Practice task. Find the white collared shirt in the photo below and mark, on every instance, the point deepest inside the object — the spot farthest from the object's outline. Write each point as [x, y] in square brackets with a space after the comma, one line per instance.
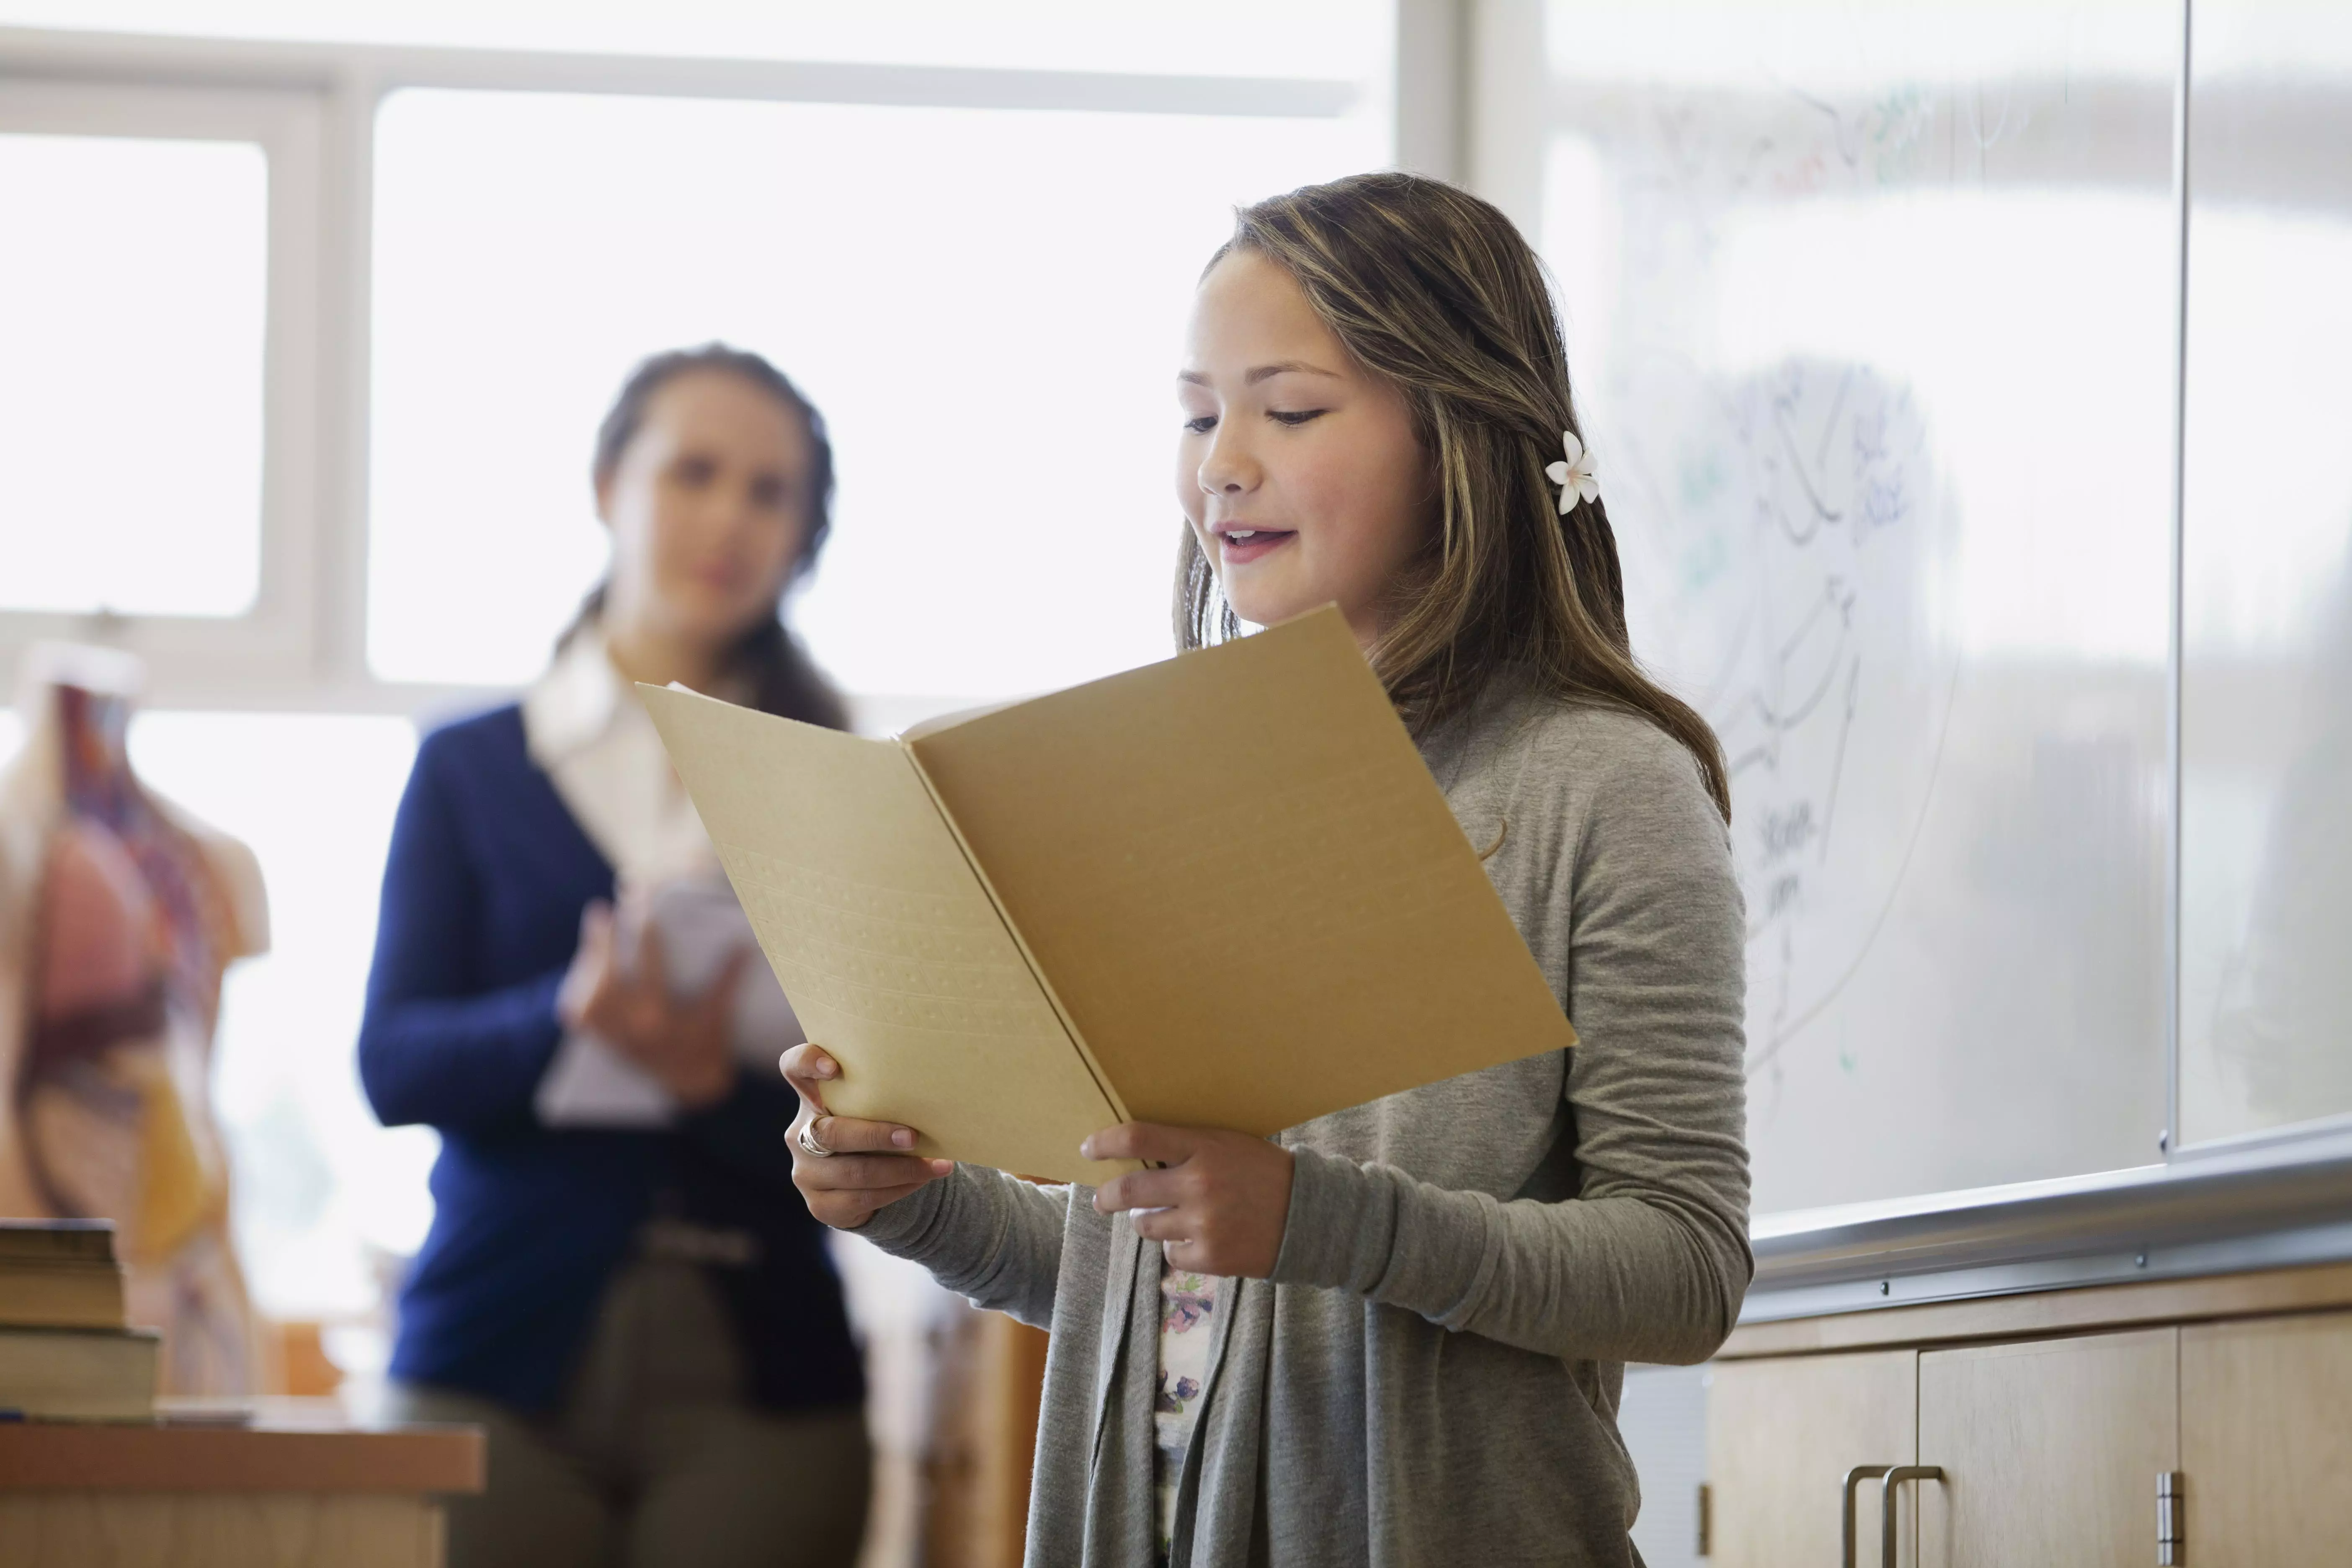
[587, 730]
[584, 727]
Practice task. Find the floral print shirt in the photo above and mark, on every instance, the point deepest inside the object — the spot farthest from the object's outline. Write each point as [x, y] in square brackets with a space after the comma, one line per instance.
[1187, 1304]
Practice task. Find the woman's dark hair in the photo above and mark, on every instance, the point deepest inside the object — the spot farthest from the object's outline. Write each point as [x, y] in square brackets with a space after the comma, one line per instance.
[784, 679]
[1434, 290]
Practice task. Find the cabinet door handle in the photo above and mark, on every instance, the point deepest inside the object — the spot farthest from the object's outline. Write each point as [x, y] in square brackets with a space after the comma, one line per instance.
[1854, 1477]
[1894, 1478]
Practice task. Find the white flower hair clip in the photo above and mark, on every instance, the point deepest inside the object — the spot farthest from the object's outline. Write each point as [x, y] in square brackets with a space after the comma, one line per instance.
[1574, 476]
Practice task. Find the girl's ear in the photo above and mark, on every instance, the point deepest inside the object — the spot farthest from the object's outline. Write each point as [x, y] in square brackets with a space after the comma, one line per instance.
[604, 498]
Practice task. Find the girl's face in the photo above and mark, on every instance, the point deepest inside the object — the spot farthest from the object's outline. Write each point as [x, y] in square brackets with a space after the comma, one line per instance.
[709, 507]
[1299, 469]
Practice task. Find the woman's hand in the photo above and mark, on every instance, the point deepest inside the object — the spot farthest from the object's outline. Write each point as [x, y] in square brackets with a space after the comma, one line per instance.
[1219, 1204]
[868, 1167]
[685, 1046]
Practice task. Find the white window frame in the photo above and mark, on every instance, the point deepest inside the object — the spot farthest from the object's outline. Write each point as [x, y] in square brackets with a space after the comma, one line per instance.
[313, 108]
[276, 634]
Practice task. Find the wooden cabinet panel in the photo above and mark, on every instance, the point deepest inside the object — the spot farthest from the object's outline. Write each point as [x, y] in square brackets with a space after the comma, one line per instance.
[218, 1529]
[2267, 1440]
[1782, 1436]
[2050, 1450]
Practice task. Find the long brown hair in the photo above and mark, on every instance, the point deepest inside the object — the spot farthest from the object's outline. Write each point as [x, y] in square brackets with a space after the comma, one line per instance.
[1435, 290]
[783, 677]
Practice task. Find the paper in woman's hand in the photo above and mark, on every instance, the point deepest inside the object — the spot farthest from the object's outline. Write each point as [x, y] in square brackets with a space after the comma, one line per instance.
[701, 928]
[590, 1084]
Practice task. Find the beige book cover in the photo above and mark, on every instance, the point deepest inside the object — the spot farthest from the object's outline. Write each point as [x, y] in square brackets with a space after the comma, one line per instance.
[62, 1293]
[79, 1375]
[1221, 891]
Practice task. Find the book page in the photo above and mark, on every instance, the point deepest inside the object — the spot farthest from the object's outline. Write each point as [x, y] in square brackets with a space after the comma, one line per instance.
[1242, 885]
[883, 939]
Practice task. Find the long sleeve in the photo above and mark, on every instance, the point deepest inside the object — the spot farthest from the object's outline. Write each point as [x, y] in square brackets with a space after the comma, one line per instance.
[984, 1235]
[1650, 1260]
[432, 1048]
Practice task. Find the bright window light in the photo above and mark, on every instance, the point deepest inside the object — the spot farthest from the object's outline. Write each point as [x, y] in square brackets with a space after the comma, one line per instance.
[131, 373]
[986, 304]
[324, 1196]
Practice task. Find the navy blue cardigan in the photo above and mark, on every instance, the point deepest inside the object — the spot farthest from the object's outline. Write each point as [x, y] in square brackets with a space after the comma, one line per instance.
[483, 891]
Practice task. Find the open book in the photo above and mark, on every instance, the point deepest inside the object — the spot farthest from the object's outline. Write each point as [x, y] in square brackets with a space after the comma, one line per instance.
[1217, 891]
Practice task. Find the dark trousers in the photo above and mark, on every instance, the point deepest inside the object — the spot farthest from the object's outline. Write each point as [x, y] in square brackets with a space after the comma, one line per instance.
[655, 1457]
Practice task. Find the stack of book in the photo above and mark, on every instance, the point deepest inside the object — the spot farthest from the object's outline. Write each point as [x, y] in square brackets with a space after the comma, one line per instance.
[67, 1352]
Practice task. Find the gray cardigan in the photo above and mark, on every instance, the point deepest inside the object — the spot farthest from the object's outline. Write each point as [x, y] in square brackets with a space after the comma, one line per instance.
[1432, 1374]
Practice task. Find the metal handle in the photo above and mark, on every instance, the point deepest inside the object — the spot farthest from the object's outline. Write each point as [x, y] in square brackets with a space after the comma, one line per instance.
[1896, 1477]
[1854, 1477]
[2171, 1531]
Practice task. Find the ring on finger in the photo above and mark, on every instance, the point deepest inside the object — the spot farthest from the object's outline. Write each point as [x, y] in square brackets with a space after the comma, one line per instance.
[806, 1138]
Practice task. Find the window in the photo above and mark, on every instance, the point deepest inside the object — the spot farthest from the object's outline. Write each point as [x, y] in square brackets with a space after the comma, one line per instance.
[378, 291]
[159, 344]
[321, 1190]
[985, 303]
[131, 373]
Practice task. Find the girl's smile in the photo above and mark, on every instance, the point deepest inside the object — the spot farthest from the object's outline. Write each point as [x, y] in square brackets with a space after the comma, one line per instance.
[1239, 544]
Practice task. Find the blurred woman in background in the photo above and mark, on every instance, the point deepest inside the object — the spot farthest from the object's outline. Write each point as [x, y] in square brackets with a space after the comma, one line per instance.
[621, 1284]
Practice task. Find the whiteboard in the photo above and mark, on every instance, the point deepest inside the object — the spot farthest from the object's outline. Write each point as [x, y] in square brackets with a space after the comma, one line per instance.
[1871, 317]
[2265, 982]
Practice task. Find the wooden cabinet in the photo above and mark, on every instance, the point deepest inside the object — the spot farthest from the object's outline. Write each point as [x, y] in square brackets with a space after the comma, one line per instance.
[2266, 1441]
[2050, 1450]
[2053, 1419]
[1782, 1434]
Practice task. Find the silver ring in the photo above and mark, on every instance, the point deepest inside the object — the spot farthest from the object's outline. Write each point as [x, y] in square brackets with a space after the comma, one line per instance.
[809, 1145]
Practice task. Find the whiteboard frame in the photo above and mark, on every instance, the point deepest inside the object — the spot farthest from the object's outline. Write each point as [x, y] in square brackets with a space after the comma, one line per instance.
[2261, 1200]
[2175, 648]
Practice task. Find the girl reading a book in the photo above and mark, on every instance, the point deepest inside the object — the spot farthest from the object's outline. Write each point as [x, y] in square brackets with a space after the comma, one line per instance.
[1395, 1335]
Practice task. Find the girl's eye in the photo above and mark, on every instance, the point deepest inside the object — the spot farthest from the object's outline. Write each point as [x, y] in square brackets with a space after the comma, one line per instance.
[1295, 418]
[1201, 425]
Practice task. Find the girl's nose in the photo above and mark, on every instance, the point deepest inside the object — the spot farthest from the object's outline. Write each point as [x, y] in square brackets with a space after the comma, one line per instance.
[1227, 469]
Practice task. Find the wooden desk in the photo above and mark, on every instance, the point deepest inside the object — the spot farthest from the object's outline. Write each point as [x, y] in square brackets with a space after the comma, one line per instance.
[271, 1495]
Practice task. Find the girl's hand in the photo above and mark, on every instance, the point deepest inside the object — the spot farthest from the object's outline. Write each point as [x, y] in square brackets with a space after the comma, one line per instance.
[868, 1167]
[684, 1045]
[1220, 1204]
